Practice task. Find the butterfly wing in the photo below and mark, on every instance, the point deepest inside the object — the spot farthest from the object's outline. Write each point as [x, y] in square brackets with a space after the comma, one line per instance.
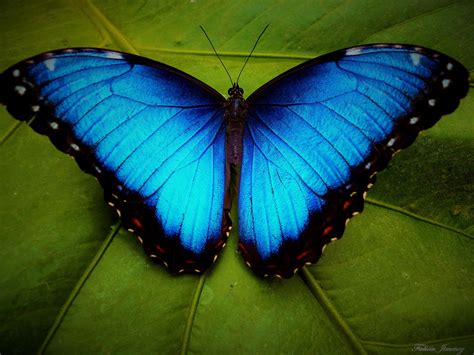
[316, 135]
[152, 135]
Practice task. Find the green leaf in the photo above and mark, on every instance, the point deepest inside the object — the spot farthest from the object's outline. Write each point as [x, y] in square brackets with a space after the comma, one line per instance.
[72, 281]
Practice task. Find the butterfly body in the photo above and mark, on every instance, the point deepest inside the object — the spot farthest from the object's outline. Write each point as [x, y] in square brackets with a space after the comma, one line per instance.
[235, 113]
[307, 144]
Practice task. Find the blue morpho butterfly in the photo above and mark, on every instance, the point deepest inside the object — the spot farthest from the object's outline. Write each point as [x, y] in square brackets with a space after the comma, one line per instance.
[163, 144]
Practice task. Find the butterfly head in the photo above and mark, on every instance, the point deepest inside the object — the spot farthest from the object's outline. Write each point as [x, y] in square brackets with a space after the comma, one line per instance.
[235, 106]
[236, 91]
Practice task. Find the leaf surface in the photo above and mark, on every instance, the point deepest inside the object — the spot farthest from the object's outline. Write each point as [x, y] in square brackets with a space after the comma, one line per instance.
[72, 281]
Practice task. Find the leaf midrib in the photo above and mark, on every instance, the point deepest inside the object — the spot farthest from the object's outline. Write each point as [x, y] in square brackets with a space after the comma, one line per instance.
[331, 311]
[192, 313]
[79, 285]
[417, 217]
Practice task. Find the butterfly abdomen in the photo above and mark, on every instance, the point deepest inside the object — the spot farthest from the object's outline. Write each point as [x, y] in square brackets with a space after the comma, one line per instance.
[235, 112]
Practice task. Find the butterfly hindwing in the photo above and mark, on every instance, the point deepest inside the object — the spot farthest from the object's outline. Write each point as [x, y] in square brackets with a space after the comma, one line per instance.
[152, 135]
[316, 136]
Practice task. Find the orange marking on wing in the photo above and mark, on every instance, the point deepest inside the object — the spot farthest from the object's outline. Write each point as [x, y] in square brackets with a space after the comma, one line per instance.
[327, 230]
[137, 223]
[160, 249]
[346, 205]
[302, 255]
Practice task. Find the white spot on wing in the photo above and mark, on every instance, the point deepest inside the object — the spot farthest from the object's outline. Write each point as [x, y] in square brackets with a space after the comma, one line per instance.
[354, 51]
[415, 58]
[445, 83]
[431, 102]
[20, 89]
[449, 66]
[50, 64]
[35, 108]
[16, 73]
[54, 125]
[414, 120]
[114, 55]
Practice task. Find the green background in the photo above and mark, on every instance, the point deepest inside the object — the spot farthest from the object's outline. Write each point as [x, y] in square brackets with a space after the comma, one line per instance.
[72, 281]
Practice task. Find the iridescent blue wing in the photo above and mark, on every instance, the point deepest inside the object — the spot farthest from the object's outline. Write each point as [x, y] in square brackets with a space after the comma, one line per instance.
[316, 135]
[152, 135]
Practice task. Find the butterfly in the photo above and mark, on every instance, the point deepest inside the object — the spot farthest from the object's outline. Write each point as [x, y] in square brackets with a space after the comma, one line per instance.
[164, 145]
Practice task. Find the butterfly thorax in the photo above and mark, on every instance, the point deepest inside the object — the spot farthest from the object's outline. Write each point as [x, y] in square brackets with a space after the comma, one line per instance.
[234, 114]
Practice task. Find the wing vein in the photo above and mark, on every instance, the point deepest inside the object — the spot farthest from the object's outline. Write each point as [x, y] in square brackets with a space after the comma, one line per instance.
[47, 82]
[321, 135]
[286, 159]
[274, 199]
[84, 97]
[144, 141]
[198, 158]
[95, 145]
[347, 59]
[187, 204]
[368, 80]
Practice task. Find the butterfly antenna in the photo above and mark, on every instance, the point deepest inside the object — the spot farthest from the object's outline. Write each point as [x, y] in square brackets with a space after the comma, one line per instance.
[254, 46]
[205, 34]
